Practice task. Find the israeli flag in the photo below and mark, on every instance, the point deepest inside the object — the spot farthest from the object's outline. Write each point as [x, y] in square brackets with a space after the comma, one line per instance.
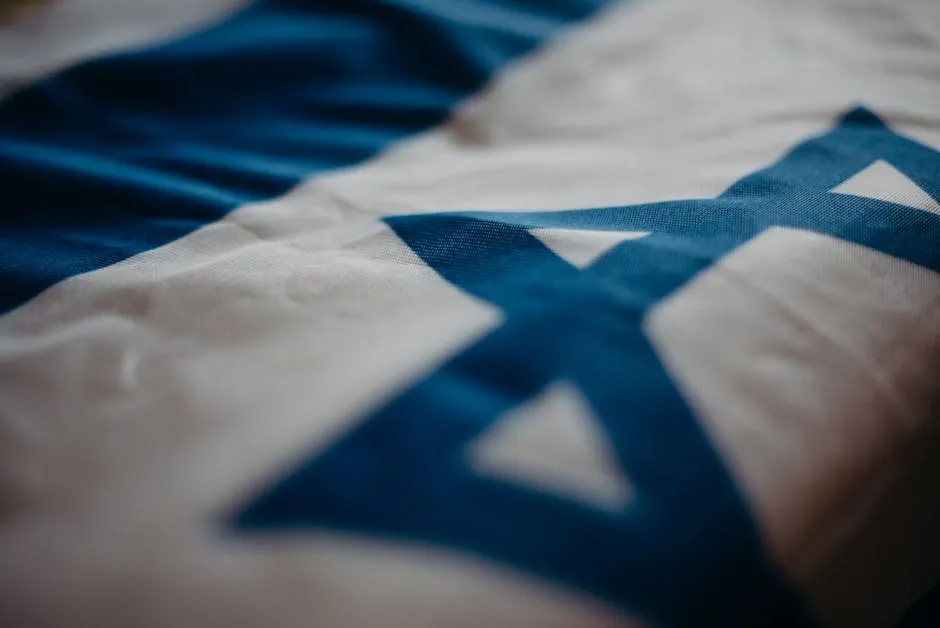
[470, 313]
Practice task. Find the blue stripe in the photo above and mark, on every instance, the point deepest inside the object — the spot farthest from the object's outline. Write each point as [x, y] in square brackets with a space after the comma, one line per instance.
[121, 155]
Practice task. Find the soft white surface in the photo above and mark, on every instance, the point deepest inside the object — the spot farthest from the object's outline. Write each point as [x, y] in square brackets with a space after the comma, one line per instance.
[52, 34]
[555, 442]
[813, 364]
[582, 247]
[882, 181]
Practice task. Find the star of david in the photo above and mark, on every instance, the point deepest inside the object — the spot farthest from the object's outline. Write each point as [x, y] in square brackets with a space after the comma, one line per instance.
[686, 533]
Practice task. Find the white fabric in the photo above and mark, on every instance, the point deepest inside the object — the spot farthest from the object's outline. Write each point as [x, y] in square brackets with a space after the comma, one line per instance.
[46, 35]
[554, 441]
[882, 181]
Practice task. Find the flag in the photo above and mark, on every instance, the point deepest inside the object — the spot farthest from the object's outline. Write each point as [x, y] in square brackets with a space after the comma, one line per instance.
[470, 313]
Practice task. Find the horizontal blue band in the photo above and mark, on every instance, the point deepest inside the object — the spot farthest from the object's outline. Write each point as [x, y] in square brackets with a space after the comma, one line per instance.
[121, 155]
